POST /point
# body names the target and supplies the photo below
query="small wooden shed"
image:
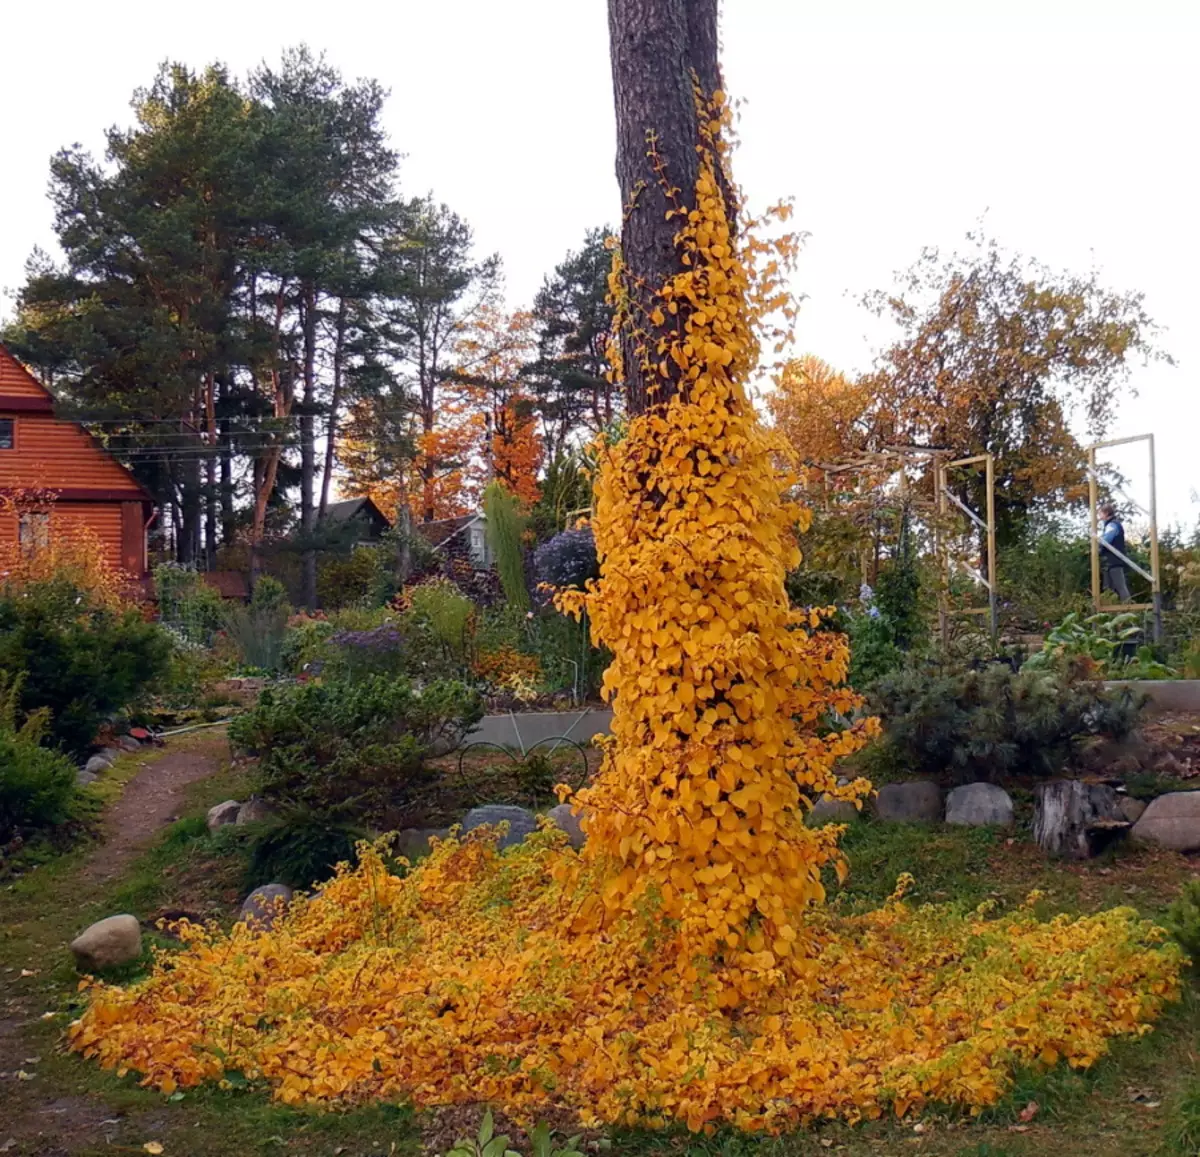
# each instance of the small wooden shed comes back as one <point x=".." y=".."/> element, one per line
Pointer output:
<point x="86" y="485"/>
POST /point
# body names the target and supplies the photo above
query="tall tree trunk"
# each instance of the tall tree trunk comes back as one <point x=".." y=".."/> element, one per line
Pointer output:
<point x="282" y="398"/>
<point x="335" y="401"/>
<point x="228" y="517"/>
<point x="308" y="450"/>
<point x="659" y="49"/>
<point x="210" y="472"/>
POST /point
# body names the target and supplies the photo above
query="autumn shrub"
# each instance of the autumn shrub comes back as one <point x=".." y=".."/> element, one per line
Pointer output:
<point x="986" y="724"/>
<point x="463" y="982"/>
<point x="306" y="641"/>
<point x="83" y="658"/>
<point x="445" y="614"/>
<point x="351" y="746"/>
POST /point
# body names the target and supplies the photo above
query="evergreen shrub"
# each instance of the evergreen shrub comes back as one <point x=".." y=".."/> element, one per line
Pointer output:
<point x="351" y="746"/>
<point x="991" y="723"/>
<point x="80" y="659"/>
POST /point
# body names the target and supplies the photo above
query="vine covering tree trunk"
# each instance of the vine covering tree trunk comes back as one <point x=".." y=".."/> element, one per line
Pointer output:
<point x="660" y="49"/>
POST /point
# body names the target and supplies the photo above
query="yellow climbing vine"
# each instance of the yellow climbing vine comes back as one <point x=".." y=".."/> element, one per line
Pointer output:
<point x="682" y="967"/>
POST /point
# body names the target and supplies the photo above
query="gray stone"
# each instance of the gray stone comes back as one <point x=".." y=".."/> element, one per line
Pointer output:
<point x="914" y="802"/>
<point x="97" y="765"/>
<point x="979" y="805"/>
<point x="128" y="743"/>
<point x="83" y="777"/>
<point x="265" y="905"/>
<point x="831" y="811"/>
<point x="108" y="943"/>
<point x="254" y="811"/>
<point x="563" y="816"/>
<point x="1172" y="821"/>
<point x="1131" y="808"/>
<point x="521" y="821"/>
<point x="412" y="843"/>
<point x="223" y="813"/>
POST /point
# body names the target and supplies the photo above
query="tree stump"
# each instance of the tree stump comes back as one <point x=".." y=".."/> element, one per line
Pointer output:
<point x="1077" y="820"/>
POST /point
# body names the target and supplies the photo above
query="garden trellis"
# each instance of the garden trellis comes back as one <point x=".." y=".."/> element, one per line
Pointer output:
<point x="1153" y="575"/>
<point x="987" y="528"/>
<point x="882" y="466"/>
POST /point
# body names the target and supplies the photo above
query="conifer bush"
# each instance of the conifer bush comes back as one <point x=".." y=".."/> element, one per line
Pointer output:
<point x="964" y="727"/>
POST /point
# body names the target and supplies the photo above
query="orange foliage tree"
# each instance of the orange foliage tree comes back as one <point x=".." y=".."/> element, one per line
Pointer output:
<point x="490" y="357"/>
<point x="822" y="414"/>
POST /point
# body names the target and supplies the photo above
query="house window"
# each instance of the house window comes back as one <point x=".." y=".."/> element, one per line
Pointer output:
<point x="34" y="532"/>
<point x="8" y="434"/>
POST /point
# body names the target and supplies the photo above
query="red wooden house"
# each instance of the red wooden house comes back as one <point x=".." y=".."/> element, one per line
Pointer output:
<point x="88" y="487"/>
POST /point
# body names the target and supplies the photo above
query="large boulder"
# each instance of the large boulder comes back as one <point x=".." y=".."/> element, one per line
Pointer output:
<point x="223" y="813"/>
<point x="412" y="843"/>
<point x="265" y="905"/>
<point x="521" y="821"/>
<point x="128" y="743"/>
<point x="831" y="811"/>
<point x="918" y="801"/>
<point x="83" y="778"/>
<point x="97" y="765"/>
<point x="979" y="805"/>
<point x="1172" y="821"/>
<point x="108" y="943"/>
<point x="254" y="811"/>
<point x="564" y="817"/>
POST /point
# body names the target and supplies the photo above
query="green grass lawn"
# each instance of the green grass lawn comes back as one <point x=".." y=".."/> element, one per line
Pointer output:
<point x="1143" y="1100"/>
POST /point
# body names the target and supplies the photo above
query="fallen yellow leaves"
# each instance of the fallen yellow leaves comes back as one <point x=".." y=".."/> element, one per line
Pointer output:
<point x="465" y="982"/>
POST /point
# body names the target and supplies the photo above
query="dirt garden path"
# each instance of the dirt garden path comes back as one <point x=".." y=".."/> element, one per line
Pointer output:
<point x="34" y="945"/>
<point x="150" y="801"/>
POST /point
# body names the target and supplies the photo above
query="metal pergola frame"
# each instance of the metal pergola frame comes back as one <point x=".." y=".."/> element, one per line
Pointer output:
<point x="945" y="499"/>
<point x="1153" y="576"/>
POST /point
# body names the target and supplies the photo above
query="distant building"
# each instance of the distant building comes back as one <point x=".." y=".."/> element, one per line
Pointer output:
<point x="464" y="537"/>
<point x="84" y="484"/>
<point x="375" y="523"/>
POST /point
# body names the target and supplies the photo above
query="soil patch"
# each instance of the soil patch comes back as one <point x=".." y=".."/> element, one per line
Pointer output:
<point x="150" y="801"/>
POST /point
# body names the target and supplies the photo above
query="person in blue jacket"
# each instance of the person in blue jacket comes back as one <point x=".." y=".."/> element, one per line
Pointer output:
<point x="1114" y="569"/>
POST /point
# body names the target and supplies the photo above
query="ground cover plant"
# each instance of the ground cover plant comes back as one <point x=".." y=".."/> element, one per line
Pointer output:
<point x="681" y="969"/>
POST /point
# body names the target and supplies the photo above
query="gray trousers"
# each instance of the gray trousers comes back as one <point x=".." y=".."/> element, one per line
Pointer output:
<point x="1114" y="579"/>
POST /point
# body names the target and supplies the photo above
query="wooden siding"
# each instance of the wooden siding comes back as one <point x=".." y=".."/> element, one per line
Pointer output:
<point x="103" y="519"/>
<point x="17" y="382"/>
<point x="53" y="454"/>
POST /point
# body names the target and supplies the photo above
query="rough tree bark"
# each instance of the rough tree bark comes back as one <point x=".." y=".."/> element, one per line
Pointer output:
<point x="659" y="48"/>
<point x="1076" y="820"/>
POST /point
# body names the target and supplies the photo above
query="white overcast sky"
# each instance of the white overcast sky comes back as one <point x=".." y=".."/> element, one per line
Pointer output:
<point x="894" y="123"/>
